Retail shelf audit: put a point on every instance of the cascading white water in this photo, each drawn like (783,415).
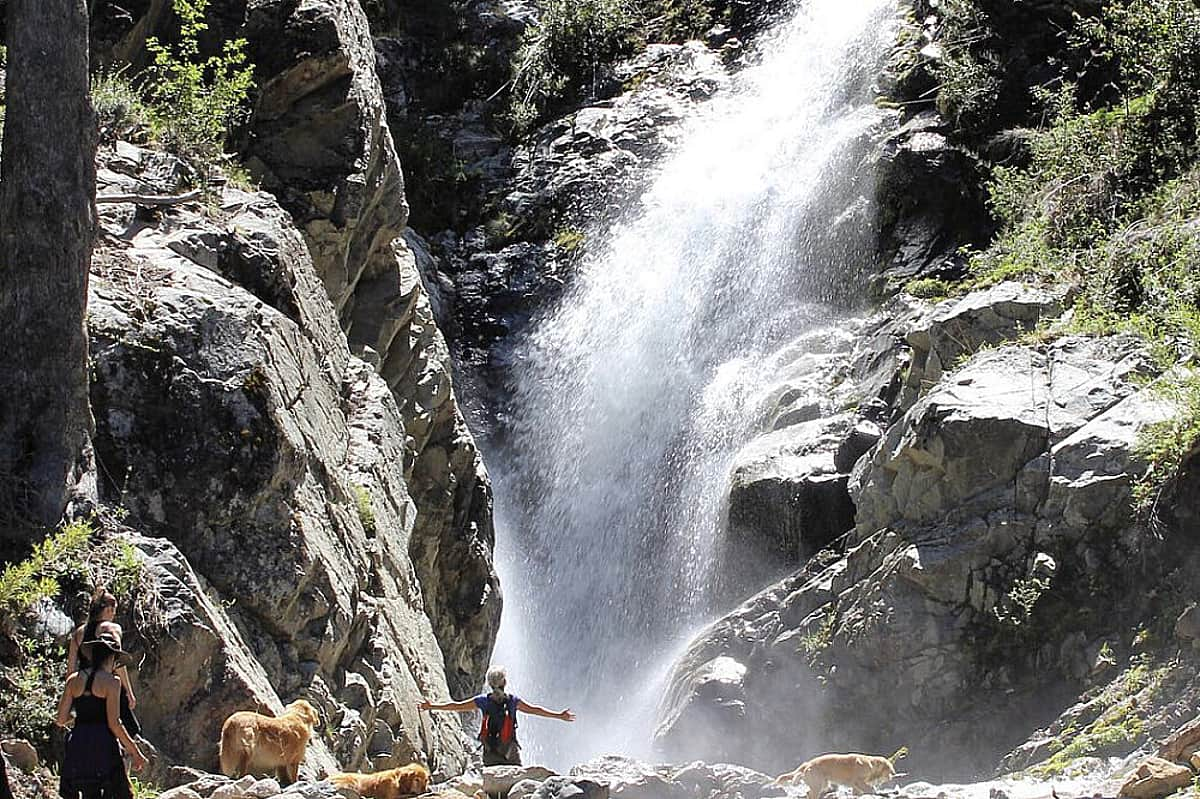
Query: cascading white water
(636,392)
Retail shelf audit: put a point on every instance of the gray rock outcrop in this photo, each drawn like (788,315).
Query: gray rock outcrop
(233,421)
(997,501)
(321,143)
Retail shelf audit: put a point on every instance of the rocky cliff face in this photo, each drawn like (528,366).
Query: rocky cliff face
(234,423)
(277,420)
(320,140)
(993,556)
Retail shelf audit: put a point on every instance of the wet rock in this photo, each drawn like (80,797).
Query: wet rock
(1182,744)
(1002,495)
(1155,778)
(931,202)
(625,778)
(961,327)
(860,439)
(572,176)
(570,788)
(523,789)
(787,499)
(181,792)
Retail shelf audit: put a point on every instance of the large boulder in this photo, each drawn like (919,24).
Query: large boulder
(197,659)
(787,498)
(930,200)
(626,778)
(1155,778)
(960,327)
(976,431)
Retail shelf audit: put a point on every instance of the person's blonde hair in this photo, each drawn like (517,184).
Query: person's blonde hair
(497,678)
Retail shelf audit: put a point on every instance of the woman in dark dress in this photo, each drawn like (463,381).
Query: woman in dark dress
(92,766)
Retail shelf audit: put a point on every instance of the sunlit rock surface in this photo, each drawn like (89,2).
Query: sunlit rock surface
(993,569)
(233,421)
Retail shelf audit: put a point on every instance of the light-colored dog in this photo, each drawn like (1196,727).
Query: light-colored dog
(252,743)
(394,783)
(862,773)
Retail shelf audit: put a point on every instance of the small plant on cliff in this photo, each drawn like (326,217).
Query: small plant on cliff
(366,512)
(120,109)
(196,100)
(143,789)
(563,57)
(1016,606)
(1167,445)
(928,288)
(569,239)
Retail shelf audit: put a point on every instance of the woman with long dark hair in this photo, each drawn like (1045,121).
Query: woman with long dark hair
(101,615)
(92,766)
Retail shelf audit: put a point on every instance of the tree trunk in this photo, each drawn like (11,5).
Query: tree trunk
(47,226)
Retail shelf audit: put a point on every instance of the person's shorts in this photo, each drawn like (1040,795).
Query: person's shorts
(508,754)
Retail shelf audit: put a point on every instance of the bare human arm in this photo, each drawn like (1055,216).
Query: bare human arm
(73,651)
(128,683)
(468,704)
(538,710)
(112,708)
(63,719)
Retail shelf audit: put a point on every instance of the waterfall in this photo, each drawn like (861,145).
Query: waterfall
(634,394)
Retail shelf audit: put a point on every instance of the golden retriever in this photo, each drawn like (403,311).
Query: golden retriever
(394,783)
(859,772)
(252,743)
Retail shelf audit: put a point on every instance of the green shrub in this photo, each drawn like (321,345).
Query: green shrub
(681,20)
(1109,200)
(24,584)
(143,789)
(30,695)
(1167,445)
(120,109)
(1156,47)
(366,511)
(928,288)
(968,73)
(561,59)
(196,101)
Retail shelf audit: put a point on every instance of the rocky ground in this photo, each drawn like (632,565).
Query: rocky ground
(615,777)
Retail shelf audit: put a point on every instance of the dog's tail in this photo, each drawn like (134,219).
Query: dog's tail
(237,742)
(898,754)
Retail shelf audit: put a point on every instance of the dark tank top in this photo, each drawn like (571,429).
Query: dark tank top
(89,708)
